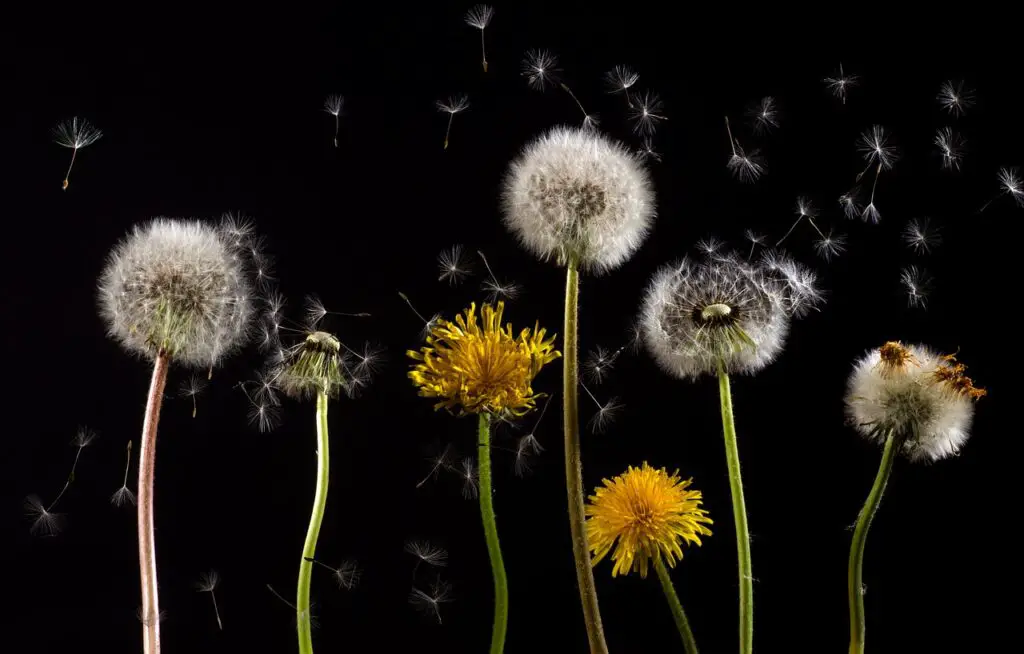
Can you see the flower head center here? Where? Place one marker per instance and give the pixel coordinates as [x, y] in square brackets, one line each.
[323, 342]
[586, 199]
[716, 313]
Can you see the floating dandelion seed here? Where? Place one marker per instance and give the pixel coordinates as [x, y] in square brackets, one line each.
[334, 105]
[430, 602]
[600, 363]
[76, 133]
[920, 237]
[747, 168]
[804, 209]
[1010, 181]
[303, 618]
[440, 461]
[480, 17]
[453, 265]
[44, 521]
[851, 206]
[123, 495]
[454, 105]
[874, 143]
[646, 112]
[528, 445]
[428, 325]
[647, 152]
[207, 583]
[427, 553]
[764, 115]
[605, 414]
[192, 387]
[840, 83]
[346, 575]
[755, 240]
[468, 473]
[951, 146]
[495, 289]
[829, 245]
[917, 284]
[955, 98]
[709, 245]
[620, 79]
[540, 68]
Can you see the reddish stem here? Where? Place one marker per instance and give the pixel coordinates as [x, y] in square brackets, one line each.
[147, 474]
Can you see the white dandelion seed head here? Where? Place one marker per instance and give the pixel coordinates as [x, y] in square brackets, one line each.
[747, 168]
[951, 147]
[850, 204]
[479, 16]
[764, 114]
[920, 236]
[334, 104]
[454, 104]
[620, 78]
[540, 68]
[917, 284]
[874, 144]
[697, 313]
[910, 400]
[178, 286]
[75, 133]
[647, 111]
[955, 98]
[576, 195]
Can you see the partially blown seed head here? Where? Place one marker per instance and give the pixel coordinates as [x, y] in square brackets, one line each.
[180, 287]
[576, 195]
[923, 398]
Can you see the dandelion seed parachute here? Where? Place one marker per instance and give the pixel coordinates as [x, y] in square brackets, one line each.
[574, 194]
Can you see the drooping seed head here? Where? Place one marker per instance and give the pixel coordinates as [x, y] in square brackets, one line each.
[314, 366]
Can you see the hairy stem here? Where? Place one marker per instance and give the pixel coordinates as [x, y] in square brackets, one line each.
[302, 609]
[739, 514]
[574, 465]
[147, 540]
[682, 624]
[855, 568]
[491, 534]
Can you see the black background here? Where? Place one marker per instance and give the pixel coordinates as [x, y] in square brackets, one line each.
[207, 114]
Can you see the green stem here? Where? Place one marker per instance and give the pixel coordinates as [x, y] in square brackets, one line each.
[682, 624]
[739, 514]
[574, 465]
[305, 627]
[491, 534]
[855, 569]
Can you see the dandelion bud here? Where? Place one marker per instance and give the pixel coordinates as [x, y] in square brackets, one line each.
[312, 367]
[577, 196]
[696, 315]
[177, 287]
[923, 398]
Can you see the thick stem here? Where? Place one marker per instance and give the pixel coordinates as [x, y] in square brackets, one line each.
[855, 568]
[305, 618]
[574, 466]
[682, 624]
[147, 540]
[739, 514]
[500, 626]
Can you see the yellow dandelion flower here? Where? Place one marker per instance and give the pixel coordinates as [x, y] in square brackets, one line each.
[481, 368]
[649, 513]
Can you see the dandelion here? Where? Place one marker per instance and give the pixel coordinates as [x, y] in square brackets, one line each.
[917, 284]
[840, 83]
[191, 388]
[334, 105]
[747, 168]
[600, 362]
[427, 553]
[755, 240]
[620, 79]
[45, 522]
[495, 289]
[951, 147]
[830, 245]
[441, 460]
[430, 602]
[1010, 182]
[586, 202]
[647, 151]
[76, 134]
[452, 106]
[851, 207]
[528, 445]
[646, 112]
[453, 265]
[709, 245]
[726, 316]
[541, 70]
[955, 98]
[470, 491]
[874, 143]
[428, 325]
[642, 517]
[920, 237]
[483, 369]
[305, 619]
[207, 583]
[764, 114]
[124, 495]
[804, 209]
[174, 291]
[346, 575]
[606, 411]
[914, 402]
[480, 17]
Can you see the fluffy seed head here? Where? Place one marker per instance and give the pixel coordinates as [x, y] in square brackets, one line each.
[924, 398]
[576, 195]
[644, 513]
[696, 314]
[314, 366]
[180, 287]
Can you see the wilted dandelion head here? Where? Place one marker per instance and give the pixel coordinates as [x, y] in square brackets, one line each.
[475, 368]
[923, 398]
[696, 315]
[312, 367]
[643, 514]
[178, 287]
[577, 196]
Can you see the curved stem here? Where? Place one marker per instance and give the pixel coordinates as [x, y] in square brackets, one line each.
[855, 568]
[305, 626]
[574, 466]
[491, 534]
[682, 624]
[147, 476]
[739, 514]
